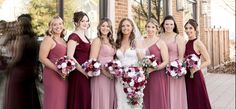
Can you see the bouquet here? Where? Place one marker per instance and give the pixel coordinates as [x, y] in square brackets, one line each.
[115, 68]
[176, 68]
[92, 67]
[134, 82]
[193, 61]
[65, 65]
[149, 62]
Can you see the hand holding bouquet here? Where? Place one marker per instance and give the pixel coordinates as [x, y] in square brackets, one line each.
[134, 82]
[65, 65]
[193, 62]
[149, 62]
[115, 68]
[92, 67]
[176, 68]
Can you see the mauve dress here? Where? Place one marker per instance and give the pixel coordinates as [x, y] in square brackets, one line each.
[156, 94]
[196, 89]
[102, 88]
[55, 88]
[177, 86]
[79, 95]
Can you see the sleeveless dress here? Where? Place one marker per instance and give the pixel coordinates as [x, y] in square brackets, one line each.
[128, 58]
[177, 86]
[79, 95]
[102, 88]
[196, 88]
[55, 88]
[21, 91]
[156, 94]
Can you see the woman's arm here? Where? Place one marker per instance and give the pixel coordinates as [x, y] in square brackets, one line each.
[204, 53]
[164, 55]
[181, 47]
[71, 45]
[46, 45]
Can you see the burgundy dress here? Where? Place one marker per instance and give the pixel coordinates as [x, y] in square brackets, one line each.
[156, 92]
[55, 88]
[196, 89]
[79, 95]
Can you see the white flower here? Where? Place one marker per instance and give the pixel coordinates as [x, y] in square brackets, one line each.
[96, 73]
[174, 64]
[63, 65]
[97, 65]
[154, 64]
[172, 73]
[131, 83]
[110, 68]
[131, 74]
[59, 66]
[129, 89]
[140, 79]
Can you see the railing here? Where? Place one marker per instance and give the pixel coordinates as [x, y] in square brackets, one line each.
[217, 44]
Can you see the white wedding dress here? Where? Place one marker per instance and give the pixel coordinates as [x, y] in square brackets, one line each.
[129, 57]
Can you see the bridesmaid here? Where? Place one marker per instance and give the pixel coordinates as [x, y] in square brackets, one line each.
[78, 48]
[196, 88]
[103, 49]
[176, 48]
[156, 90]
[52, 48]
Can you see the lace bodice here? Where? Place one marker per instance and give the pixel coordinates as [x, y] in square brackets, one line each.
[129, 57]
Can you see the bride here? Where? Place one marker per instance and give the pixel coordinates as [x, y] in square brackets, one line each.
[128, 55]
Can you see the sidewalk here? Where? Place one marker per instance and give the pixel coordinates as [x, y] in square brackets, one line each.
[221, 90]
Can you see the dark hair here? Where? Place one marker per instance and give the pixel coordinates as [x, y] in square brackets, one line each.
[25, 26]
[110, 34]
[49, 31]
[25, 15]
[120, 34]
[169, 17]
[78, 16]
[193, 23]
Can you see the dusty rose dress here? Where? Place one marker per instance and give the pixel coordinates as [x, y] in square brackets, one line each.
[79, 95]
[156, 94]
[177, 86]
[55, 88]
[102, 88]
[196, 87]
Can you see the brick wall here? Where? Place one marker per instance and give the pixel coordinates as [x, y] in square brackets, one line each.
[121, 11]
[179, 17]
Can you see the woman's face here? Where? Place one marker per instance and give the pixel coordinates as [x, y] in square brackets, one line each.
[169, 25]
[105, 28]
[190, 31]
[84, 23]
[151, 29]
[126, 27]
[57, 26]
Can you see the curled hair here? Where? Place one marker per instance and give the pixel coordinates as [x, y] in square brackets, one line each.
[49, 32]
[78, 16]
[169, 17]
[110, 34]
[120, 34]
[193, 23]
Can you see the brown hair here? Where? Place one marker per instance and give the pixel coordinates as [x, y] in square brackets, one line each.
[120, 34]
[78, 16]
[193, 23]
[110, 34]
[169, 17]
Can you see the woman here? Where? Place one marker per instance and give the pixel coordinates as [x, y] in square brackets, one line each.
[78, 48]
[196, 88]
[156, 90]
[21, 91]
[128, 54]
[176, 48]
[52, 48]
[103, 49]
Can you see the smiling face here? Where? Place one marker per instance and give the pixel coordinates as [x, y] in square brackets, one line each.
[105, 28]
[190, 30]
[126, 27]
[57, 26]
[169, 25]
[151, 29]
[84, 23]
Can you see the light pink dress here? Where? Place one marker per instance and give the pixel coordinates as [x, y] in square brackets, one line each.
[102, 88]
[177, 87]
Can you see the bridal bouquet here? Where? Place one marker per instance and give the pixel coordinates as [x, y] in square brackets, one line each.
[176, 68]
[65, 64]
[115, 68]
[134, 82]
[193, 61]
[92, 67]
[149, 61]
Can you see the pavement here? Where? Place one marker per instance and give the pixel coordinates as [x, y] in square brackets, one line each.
[221, 90]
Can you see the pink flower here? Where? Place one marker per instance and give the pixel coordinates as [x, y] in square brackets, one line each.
[115, 68]
[65, 64]
[192, 61]
[92, 67]
[176, 69]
